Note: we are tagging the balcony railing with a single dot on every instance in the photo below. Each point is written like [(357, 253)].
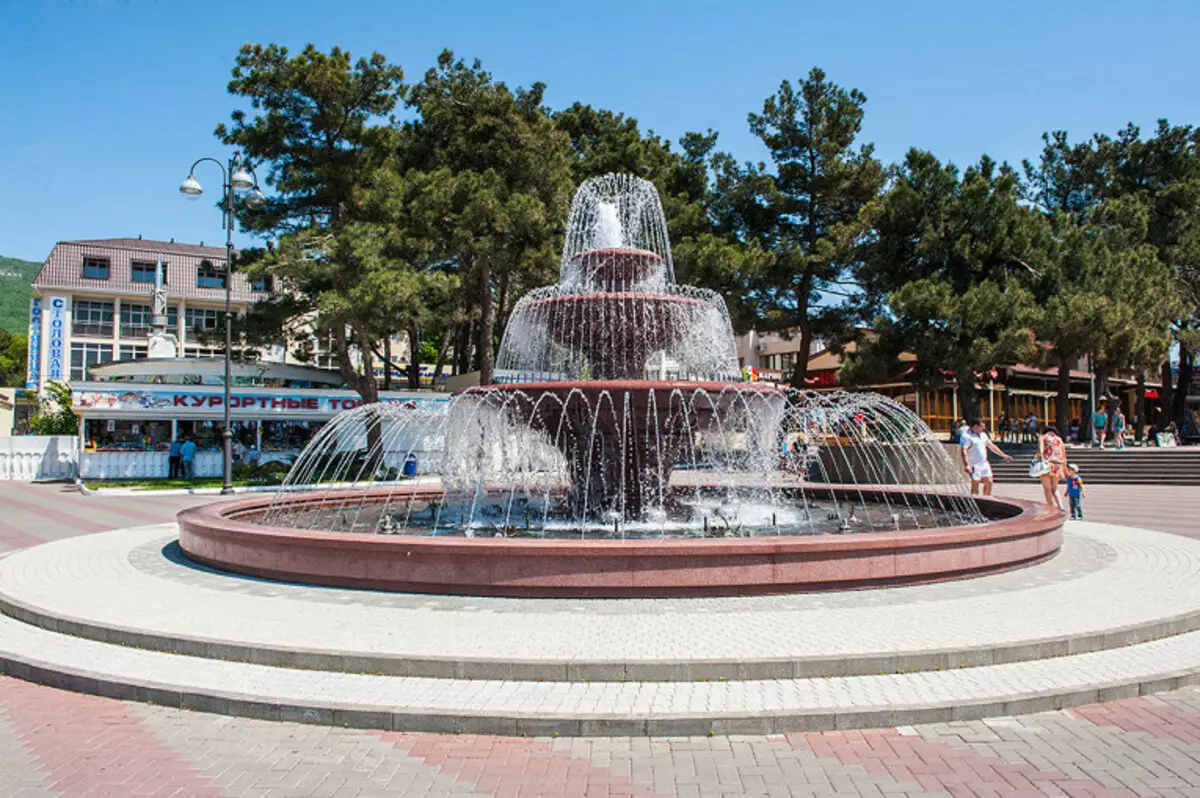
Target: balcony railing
[(94, 330)]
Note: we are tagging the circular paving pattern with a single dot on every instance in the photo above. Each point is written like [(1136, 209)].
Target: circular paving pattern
[(123, 613)]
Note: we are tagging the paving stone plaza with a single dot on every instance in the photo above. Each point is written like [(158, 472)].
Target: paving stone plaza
[(1070, 678)]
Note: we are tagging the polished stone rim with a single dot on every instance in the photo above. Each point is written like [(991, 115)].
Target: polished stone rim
[(225, 536)]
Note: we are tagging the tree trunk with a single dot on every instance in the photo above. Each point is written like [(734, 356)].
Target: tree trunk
[(502, 315), (1165, 396), (364, 386), (1062, 404), (441, 357), (1179, 406), (369, 388), (468, 355), (968, 399), (456, 358), (800, 369), (487, 322), (1102, 395), (414, 358), (1139, 410), (387, 362)]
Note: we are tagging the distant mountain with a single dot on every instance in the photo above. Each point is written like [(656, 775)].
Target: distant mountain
[(16, 279)]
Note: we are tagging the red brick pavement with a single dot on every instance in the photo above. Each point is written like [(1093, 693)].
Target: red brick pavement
[(35, 514), (88, 746), (937, 767), (508, 766)]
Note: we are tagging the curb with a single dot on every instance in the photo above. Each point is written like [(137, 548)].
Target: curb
[(604, 671), (522, 724), (86, 491)]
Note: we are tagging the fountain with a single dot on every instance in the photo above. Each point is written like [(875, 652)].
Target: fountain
[(619, 453)]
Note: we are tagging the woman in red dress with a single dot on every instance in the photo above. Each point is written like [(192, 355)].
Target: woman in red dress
[(1052, 450)]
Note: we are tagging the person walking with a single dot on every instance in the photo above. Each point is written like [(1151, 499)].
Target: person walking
[(1031, 428), (1100, 424), (1075, 491), (173, 460), (1002, 427), (1053, 453), (974, 451), (187, 458), (1119, 429)]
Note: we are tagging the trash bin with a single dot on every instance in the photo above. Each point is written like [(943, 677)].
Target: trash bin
[(410, 465)]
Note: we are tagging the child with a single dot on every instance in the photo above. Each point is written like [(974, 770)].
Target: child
[(1075, 491)]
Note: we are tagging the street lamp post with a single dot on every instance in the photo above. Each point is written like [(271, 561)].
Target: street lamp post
[(236, 177)]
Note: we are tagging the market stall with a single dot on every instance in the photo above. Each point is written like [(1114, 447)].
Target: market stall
[(126, 430)]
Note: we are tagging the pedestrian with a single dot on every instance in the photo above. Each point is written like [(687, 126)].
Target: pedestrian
[(974, 451), (1053, 453), (187, 458), (956, 432), (1119, 429), (1100, 424), (173, 460), (1075, 491), (1002, 427), (1031, 428)]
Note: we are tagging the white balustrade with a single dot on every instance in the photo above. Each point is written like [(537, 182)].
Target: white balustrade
[(30, 457)]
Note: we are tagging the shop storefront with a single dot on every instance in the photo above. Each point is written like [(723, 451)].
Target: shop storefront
[(126, 430)]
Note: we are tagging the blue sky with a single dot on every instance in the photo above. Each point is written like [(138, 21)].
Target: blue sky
[(105, 103)]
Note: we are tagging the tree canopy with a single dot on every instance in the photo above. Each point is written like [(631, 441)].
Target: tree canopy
[(428, 208)]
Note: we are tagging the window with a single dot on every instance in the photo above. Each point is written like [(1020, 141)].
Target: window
[(129, 352), (325, 354), (203, 351), (787, 362), (202, 318), (208, 276), (142, 271), (95, 268), (84, 356), (135, 320), (265, 284), (92, 318)]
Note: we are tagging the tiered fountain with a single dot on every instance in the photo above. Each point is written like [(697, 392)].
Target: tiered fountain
[(620, 454)]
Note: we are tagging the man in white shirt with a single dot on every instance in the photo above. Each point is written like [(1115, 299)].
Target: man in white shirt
[(974, 451)]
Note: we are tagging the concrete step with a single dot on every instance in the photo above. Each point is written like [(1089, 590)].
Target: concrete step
[(1112, 616), (594, 708)]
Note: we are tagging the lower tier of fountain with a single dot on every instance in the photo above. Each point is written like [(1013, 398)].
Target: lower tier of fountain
[(622, 438), (229, 536)]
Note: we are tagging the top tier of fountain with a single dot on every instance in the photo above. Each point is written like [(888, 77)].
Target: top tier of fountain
[(616, 237), (616, 312)]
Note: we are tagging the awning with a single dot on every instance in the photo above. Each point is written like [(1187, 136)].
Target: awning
[(1046, 394)]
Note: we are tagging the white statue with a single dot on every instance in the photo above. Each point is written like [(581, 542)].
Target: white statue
[(163, 343)]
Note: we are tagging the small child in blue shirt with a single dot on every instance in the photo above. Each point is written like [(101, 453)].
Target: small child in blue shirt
[(1075, 491)]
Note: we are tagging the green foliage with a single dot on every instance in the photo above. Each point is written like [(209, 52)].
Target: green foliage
[(14, 359), (16, 278), (436, 224), (315, 127), (949, 256), (54, 415), (806, 212)]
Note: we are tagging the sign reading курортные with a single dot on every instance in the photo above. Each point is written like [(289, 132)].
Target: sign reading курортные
[(290, 404)]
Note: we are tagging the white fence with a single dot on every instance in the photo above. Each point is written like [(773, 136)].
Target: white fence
[(38, 457)]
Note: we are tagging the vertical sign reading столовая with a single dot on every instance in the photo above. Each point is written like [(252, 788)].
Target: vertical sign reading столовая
[(56, 333), (34, 364)]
